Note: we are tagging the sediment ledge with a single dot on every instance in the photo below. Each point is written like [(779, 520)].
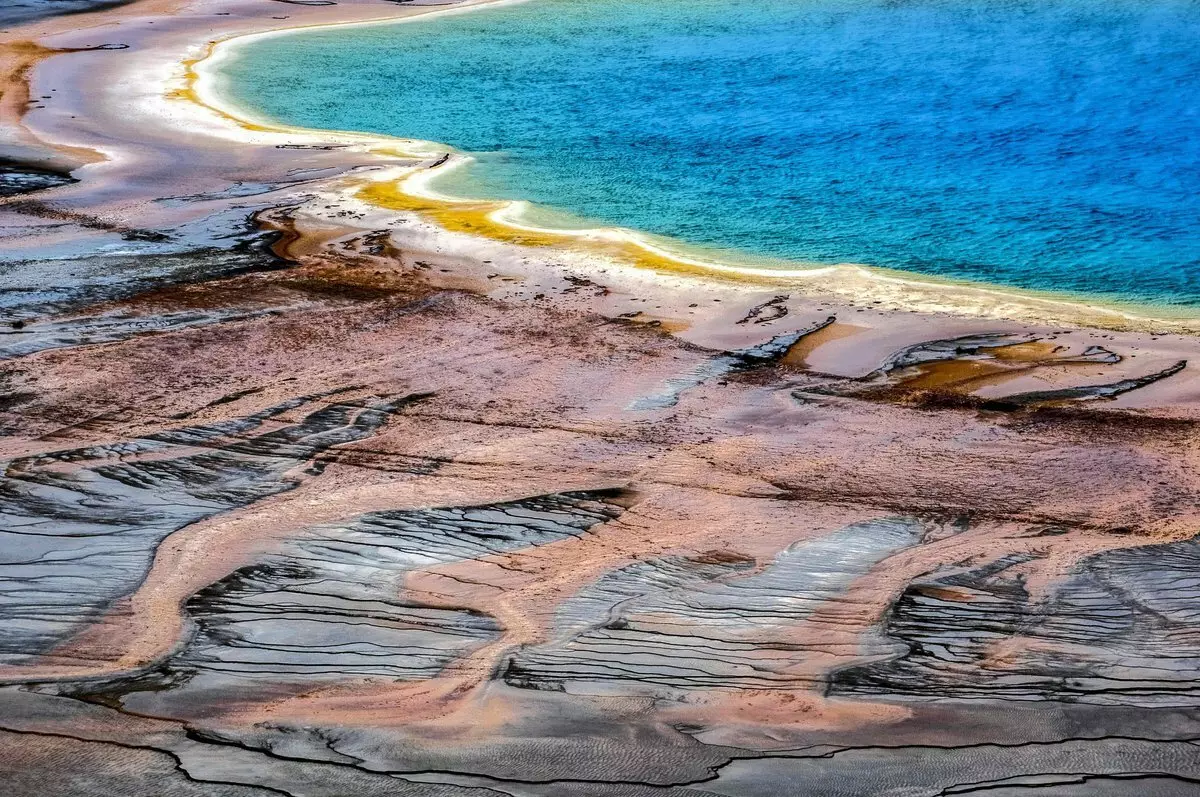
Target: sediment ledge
[(304, 495)]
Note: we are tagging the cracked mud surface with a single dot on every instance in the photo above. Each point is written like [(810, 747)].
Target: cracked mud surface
[(407, 545), (302, 497)]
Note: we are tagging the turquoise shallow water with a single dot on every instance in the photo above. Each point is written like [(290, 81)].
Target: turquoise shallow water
[(1050, 145)]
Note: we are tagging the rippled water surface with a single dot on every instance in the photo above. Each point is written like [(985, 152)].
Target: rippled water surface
[(1049, 145)]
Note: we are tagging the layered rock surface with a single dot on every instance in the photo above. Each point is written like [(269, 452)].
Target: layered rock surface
[(301, 497)]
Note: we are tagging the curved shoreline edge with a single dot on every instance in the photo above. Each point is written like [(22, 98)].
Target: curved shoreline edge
[(410, 189)]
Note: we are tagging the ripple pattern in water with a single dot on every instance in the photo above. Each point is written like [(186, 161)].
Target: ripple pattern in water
[(1047, 145)]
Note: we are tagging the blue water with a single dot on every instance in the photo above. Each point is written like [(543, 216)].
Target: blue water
[(1051, 144)]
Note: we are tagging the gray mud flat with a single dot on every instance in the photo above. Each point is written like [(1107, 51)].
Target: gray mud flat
[(290, 507), (79, 527), (16, 12)]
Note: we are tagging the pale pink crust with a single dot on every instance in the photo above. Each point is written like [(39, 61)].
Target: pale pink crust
[(535, 372)]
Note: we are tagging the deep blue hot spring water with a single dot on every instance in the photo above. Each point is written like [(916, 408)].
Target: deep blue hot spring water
[(1050, 144)]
